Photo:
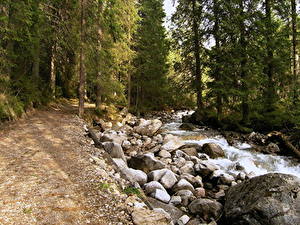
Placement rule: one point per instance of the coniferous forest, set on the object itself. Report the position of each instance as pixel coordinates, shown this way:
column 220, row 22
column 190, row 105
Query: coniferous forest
column 235, row 61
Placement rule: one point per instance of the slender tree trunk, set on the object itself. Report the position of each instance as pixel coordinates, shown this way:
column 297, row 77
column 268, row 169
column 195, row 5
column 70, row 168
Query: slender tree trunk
column 198, row 76
column 129, row 92
column 218, row 46
column 269, row 59
column 243, row 43
column 36, row 59
column 294, row 40
column 82, row 77
column 98, row 96
column 53, row 70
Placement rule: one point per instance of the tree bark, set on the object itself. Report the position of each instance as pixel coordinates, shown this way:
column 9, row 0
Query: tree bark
column 53, row 70
column 82, row 77
column 198, row 76
column 98, row 96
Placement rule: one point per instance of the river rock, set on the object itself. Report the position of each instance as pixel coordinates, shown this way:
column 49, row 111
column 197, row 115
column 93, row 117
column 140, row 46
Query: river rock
column 183, row 184
column 226, row 179
column 206, row 208
column 126, row 144
column 172, row 142
column 190, row 151
column 200, row 192
column 183, row 220
column 152, row 186
column 168, row 180
column 164, row 154
column 113, row 136
column 149, row 217
column 146, row 163
column 187, row 126
column 188, row 168
column 175, row 200
column 205, row 168
column 272, row 199
column 213, row 150
column 161, row 195
column 272, row 148
column 174, row 212
column 148, row 127
column 114, row 150
column 196, row 181
column 131, row 174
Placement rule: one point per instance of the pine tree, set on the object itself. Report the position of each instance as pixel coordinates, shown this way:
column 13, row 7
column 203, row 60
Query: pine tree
column 149, row 81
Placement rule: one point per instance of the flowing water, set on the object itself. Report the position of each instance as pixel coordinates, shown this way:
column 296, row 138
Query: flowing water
column 254, row 163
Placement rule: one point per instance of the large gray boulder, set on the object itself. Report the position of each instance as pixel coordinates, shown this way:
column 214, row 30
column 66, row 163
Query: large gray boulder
column 213, row 150
column 115, row 150
column 272, row 199
column 206, row 208
column 146, row 163
column 148, row 127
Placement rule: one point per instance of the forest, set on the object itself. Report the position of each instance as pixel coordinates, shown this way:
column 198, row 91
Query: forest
column 236, row 62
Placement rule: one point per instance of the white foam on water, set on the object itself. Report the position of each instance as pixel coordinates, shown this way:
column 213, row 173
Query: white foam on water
column 254, row 163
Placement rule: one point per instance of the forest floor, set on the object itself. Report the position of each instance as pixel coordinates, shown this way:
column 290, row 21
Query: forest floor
column 46, row 175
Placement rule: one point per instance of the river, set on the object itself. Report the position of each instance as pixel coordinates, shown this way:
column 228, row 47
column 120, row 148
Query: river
column 254, row 163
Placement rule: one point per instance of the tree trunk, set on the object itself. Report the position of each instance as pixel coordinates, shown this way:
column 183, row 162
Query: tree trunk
column 98, row 96
column 243, row 43
column 217, row 67
column 53, row 70
column 198, row 76
column 294, row 57
column 129, row 92
column 82, row 77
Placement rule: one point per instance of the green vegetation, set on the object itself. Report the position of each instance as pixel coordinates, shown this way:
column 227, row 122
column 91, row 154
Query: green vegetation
column 236, row 61
column 132, row 191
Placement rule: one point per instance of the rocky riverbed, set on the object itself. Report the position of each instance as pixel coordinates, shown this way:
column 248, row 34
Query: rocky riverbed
column 193, row 176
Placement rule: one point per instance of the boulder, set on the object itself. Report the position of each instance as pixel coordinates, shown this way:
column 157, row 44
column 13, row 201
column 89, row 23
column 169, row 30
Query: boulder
column 206, row 208
column 183, row 220
column 200, row 192
column 146, row 163
column 164, row 154
column 190, row 151
column 114, row 150
column 172, row 142
column 226, row 179
column 149, row 217
column 196, row 181
column 187, row 126
column 205, row 168
column 161, row 195
column 213, row 150
column 165, row 176
column 152, row 186
column 174, row 212
column 272, row 148
column 131, row 174
column 183, row 184
column 188, row 168
column 148, row 127
column 175, row 200
column 113, row 136
column 272, row 199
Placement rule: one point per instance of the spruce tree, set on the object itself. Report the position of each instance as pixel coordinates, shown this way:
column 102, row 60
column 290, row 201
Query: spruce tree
column 152, row 48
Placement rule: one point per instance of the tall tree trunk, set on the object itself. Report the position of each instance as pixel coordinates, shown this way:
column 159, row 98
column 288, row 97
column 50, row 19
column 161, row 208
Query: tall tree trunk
column 270, row 58
column 294, row 40
column 129, row 92
column 198, row 76
column 216, row 34
column 243, row 43
column 53, row 70
column 82, row 77
column 36, row 59
column 98, row 96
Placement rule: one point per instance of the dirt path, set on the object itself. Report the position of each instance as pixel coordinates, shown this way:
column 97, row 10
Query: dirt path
column 46, row 176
